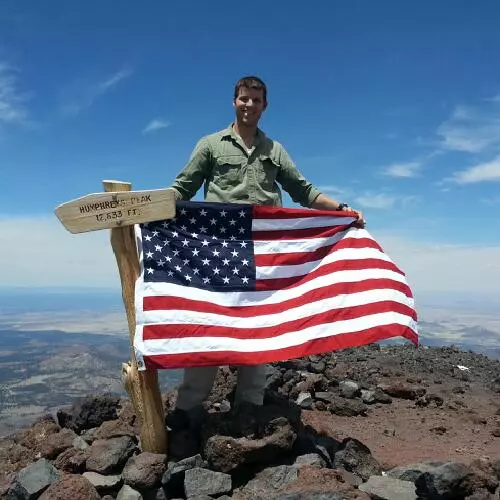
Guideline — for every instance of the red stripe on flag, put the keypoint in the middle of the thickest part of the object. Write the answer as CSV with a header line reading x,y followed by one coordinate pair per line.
x,y
293,258
169,303
352,265
267,212
315,346
181,331
298,234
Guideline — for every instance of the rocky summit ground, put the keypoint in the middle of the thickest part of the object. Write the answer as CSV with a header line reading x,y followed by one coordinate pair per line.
x,y
378,422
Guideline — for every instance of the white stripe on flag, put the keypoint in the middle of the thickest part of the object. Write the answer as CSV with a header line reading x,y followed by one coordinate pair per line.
x,y
306,245
204,344
262,321
151,289
299,223
345,254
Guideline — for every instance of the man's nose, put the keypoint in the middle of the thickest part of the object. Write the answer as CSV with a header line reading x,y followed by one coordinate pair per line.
x,y
249,103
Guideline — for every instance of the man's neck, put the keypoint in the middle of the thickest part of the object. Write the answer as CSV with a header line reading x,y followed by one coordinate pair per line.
x,y
246,133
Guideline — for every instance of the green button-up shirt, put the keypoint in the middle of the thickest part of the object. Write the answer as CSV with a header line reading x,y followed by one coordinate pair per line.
x,y
233,174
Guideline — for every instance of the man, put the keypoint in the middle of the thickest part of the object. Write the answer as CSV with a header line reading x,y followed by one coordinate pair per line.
x,y
241,165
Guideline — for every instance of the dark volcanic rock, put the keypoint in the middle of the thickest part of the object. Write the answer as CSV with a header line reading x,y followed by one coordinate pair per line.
x,y
31,481
252,435
72,460
144,471
403,390
35,437
56,443
71,487
451,481
173,479
13,456
200,481
108,455
355,457
92,412
104,484
347,407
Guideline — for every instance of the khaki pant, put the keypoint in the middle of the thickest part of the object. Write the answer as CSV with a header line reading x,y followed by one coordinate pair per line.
x,y
198,382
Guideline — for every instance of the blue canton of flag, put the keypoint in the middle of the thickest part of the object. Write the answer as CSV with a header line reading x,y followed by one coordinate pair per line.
x,y
207,246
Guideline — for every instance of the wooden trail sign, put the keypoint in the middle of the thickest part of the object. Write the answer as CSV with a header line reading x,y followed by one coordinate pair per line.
x,y
119,209
115,209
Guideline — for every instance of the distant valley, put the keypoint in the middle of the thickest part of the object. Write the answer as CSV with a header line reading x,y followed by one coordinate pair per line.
x,y
57,348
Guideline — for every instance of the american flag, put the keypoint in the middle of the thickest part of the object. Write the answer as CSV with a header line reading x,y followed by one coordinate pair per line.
x,y
236,284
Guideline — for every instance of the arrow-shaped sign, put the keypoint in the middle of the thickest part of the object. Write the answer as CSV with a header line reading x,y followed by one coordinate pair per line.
x,y
116,209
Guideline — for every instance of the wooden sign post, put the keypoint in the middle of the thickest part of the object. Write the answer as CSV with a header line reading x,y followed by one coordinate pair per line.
x,y
119,209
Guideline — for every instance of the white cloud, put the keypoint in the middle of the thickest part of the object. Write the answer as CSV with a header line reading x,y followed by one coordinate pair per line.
x,y
155,124
409,169
432,267
54,257
57,258
333,190
81,95
382,201
13,108
484,172
471,129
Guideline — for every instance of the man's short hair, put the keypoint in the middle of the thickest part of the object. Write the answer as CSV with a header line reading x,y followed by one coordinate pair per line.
x,y
250,82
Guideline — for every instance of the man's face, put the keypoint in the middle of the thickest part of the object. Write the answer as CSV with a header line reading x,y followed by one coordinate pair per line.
x,y
249,106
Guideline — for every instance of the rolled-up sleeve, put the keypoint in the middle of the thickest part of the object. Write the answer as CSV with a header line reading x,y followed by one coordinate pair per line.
x,y
294,183
192,176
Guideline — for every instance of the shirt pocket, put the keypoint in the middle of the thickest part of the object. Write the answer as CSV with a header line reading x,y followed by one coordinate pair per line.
x,y
267,172
228,171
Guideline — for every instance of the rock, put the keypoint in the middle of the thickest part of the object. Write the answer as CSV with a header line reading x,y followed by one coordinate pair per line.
x,y
266,482
38,433
310,459
72,460
413,471
403,390
264,437
200,481
349,389
368,397
304,400
389,488
108,455
92,412
450,480
80,444
355,457
347,407
496,431
128,493
56,443
13,456
104,484
495,465
327,397
440,430
71,487
382,397
173,478
31,481
144,471
115,428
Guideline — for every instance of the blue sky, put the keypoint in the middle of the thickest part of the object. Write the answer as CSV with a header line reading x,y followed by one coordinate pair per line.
x,y
391,106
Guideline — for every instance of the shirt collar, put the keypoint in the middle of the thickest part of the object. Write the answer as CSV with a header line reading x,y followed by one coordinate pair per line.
x,y
229,132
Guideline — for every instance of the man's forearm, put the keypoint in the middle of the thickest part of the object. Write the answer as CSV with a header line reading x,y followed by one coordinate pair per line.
x,y
323,202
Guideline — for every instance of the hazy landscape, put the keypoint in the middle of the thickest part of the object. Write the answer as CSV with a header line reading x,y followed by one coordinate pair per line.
x,y
57,347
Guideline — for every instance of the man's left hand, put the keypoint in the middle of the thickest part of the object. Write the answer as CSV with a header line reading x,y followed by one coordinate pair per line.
x,y
360,222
